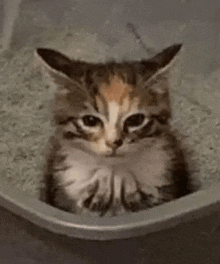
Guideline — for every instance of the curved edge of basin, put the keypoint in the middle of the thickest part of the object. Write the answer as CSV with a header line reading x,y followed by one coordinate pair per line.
x,y
165,216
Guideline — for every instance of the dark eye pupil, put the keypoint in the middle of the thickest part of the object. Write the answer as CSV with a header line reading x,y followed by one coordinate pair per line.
x,y
91,121
134,120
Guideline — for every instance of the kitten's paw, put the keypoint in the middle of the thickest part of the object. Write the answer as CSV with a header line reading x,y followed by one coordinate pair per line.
x,y
116,206
100,200
150,195
131,195
85,192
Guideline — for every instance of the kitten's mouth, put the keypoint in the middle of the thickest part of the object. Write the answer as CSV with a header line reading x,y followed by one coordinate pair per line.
x,y
114,154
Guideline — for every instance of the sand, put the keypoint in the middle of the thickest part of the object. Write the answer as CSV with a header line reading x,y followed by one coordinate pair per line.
x,y
25,114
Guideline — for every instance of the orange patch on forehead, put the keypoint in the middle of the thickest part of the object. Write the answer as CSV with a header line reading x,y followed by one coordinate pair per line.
x,y
116,91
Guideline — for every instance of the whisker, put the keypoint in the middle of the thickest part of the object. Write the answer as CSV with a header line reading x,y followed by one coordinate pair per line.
x,y
64,168
66,184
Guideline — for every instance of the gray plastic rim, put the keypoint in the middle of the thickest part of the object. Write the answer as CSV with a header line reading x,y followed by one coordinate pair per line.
x,y
165,216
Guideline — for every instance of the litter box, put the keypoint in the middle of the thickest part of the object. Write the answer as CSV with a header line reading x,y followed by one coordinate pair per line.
x,y
186,230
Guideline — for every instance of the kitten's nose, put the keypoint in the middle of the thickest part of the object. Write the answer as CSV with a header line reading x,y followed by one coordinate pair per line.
x,y
118,142
115,144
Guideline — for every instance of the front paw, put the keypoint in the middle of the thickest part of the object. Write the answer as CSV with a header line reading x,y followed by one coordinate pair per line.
x,y
93,194
117,192
101,199
131,197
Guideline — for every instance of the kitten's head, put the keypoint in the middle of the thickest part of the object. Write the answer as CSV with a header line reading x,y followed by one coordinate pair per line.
x,y
110,107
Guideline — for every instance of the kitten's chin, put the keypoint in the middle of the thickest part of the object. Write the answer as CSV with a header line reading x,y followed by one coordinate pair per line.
x,y
114,155
111,154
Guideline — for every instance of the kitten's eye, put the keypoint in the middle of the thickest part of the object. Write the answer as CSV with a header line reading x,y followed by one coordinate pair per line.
x,y
91,121
134,120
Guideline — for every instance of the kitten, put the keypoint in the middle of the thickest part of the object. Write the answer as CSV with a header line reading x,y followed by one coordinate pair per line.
x,y
113,148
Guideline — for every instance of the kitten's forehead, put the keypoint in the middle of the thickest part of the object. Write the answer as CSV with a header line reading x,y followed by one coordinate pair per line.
x,y
116,98
116,90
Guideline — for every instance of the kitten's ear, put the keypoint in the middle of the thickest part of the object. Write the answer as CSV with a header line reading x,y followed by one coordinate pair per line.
x,y
163,63
55,64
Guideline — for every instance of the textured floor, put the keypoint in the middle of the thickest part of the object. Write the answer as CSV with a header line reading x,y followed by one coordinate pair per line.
x,y
25,118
